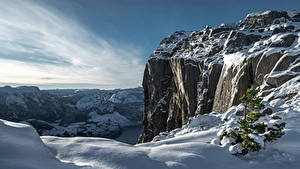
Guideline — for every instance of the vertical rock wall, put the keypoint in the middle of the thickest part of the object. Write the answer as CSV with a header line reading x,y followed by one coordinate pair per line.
x,y
175,89
209,70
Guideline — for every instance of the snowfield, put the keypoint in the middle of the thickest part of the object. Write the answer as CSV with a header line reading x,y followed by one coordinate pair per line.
x,y
195,145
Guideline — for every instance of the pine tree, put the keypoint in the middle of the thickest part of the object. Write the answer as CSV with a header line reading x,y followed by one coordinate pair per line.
x,y
251,101
249,126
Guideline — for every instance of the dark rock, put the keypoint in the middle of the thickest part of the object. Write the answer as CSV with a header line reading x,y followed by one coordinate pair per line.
x,y
265,65
266,93
279,30
279,79
157,93
296,18
285,61
296,68
276,21
285,41
276,118
290,27
261,30
240,113
264,19
169,104
287,96
40,125
218,30
238,39
267,111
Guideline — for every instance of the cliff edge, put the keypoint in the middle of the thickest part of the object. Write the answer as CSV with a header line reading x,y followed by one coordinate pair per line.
x,y
197,72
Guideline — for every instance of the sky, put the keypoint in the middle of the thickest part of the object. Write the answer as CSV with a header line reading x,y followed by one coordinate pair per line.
x,y
101,43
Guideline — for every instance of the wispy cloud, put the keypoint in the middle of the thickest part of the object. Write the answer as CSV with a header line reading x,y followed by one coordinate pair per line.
x,y
41,45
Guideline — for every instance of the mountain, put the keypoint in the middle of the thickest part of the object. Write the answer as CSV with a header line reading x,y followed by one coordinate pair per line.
x,y
68,112
197,72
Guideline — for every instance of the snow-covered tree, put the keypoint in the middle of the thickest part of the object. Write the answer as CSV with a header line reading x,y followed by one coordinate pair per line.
x,y
252,134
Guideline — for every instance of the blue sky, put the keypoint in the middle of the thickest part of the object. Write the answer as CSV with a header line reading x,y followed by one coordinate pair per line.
x,y
101,43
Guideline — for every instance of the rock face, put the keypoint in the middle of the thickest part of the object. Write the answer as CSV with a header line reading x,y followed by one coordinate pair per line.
x,y
209,70
172,92
69,112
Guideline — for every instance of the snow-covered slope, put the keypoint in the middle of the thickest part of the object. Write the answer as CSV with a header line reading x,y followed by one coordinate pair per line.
x,y
21,148
69,112
285,149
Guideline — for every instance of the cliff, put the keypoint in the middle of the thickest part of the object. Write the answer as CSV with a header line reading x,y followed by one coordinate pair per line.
x,y
196,72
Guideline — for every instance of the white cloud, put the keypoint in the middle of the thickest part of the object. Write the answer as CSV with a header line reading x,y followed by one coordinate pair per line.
x,y
41,45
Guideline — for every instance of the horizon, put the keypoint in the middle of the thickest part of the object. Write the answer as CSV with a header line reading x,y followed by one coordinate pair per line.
x,y
100,44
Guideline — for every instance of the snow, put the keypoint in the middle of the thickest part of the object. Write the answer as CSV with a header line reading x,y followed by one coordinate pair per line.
x,y
293,13
107,125
124,97
258,139
21,147
226,141
15,99
234,59
258,13
290,87
234,149
92,101
115,116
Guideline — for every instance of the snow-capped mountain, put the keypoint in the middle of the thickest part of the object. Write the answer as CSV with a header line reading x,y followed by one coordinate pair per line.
x,y
70,112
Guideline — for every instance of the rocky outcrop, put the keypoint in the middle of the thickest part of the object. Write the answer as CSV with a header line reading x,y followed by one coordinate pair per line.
x,y
209,70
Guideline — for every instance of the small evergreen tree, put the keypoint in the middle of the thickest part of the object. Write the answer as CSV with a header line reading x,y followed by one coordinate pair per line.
x,y
250,131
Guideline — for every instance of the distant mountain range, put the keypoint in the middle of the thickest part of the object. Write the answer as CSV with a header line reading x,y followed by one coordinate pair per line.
x,y
71,112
